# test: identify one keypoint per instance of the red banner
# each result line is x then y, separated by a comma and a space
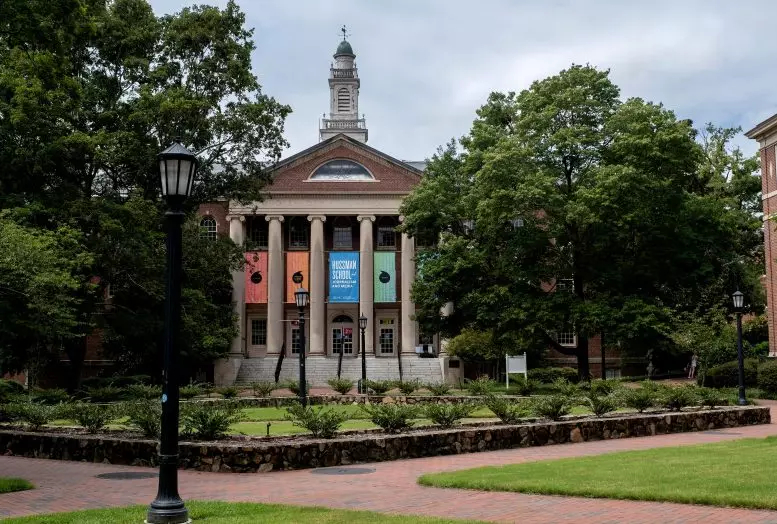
296, 261
256, 277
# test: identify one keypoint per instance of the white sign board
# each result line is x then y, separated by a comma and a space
515, 364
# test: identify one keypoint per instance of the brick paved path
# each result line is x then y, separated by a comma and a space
391, 488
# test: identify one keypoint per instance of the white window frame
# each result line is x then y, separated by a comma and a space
251, 321
386, 322
207, 231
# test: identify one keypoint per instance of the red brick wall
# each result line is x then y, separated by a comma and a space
218, 211
768, 185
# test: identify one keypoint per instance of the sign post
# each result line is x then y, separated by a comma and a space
515, 364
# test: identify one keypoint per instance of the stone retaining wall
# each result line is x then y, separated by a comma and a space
319, 400
299, 453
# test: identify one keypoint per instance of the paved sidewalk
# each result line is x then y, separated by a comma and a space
391, 488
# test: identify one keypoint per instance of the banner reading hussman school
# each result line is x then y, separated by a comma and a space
344, 277
385, 277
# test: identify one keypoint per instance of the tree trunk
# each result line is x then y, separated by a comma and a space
583, 369
76, 353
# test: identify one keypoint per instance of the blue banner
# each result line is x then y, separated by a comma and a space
344, 277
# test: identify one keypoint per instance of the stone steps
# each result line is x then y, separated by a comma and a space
321, 369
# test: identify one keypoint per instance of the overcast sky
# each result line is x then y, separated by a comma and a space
427, 65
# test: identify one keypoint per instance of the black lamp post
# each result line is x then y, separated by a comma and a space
363, 327
177, 167
739, 302
301, 296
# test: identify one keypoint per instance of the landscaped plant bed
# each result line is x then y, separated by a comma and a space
240, 454
319, 400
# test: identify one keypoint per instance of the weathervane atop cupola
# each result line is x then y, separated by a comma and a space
344, 96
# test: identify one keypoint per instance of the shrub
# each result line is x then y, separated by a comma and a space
550, 375
106, 393
480, 386
92, 417
524, 386
552, 407
408, 387
228, 392
341, 385
604, 387
144, 415
447, 415
293, 386
33, 414
767, 376
393, 418
137, 391
676, 398
709, 397
9, 390
50, 396
438, 388
321, 422
567, 389
379, 387
726, 375
263, 388
190, 391
600, 405
211, 420
638, 398
507, 410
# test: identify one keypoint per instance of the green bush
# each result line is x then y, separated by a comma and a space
50, 396
507, 410
144, 415
524, 386
341, 385
767, 376
550, 375
604, 387
33, 414
190, 391
552, 407
408, 387
638, 398
438, 388
136, 391
380, 387
447, 415
567, 389
209, 420
106, 393
709, 397
727, 375
600, 405
263, 388
92, 417
675, 398
10, 390
321, 422
393, 418
292, 386
228, 392
480, 386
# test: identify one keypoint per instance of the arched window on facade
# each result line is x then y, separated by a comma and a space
342, 233
208, 228
298, 233
387, 236
343, 100
342, 334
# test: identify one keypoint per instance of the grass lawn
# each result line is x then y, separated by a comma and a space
231, 513
737, 473
7, 485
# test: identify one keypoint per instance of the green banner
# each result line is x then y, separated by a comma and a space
385, 276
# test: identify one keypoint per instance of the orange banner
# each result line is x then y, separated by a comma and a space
296, 261
256, 277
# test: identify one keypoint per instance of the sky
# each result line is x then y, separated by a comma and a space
427, 65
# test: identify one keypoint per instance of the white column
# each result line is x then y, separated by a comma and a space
236, 226
409, 337
275, 277
317, 286
365, 279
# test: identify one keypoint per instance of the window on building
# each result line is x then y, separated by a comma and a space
567, 337
341, 169
257, 233
343, 100
295, 342
208, 228
468, 226
565, 285
386, 336
613, 373
342, 335
516, 223
387, 236
259, 332
342, 234
298, 233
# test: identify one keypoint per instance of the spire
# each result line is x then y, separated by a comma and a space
344, 86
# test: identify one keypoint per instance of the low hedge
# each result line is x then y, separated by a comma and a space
727, 375
767, 376
550, 375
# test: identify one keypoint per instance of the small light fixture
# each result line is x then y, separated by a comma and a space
739, 300
363, 321
177, 169
301, 296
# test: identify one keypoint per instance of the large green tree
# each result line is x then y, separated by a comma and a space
571, 209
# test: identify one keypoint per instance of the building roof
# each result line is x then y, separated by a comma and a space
344, 49
767, 127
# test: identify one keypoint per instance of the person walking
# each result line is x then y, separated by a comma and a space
692, 366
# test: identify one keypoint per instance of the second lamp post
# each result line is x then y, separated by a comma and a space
301, 297
739, 303
363, 382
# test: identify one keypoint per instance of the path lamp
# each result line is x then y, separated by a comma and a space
363, 382
177, 168
739, 302
301, 296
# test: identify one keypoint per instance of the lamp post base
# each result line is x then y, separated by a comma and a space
172, 512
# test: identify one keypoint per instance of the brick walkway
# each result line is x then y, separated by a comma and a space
391, 488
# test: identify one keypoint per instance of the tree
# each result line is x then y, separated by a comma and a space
570, 189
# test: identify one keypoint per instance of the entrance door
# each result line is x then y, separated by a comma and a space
342, 335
